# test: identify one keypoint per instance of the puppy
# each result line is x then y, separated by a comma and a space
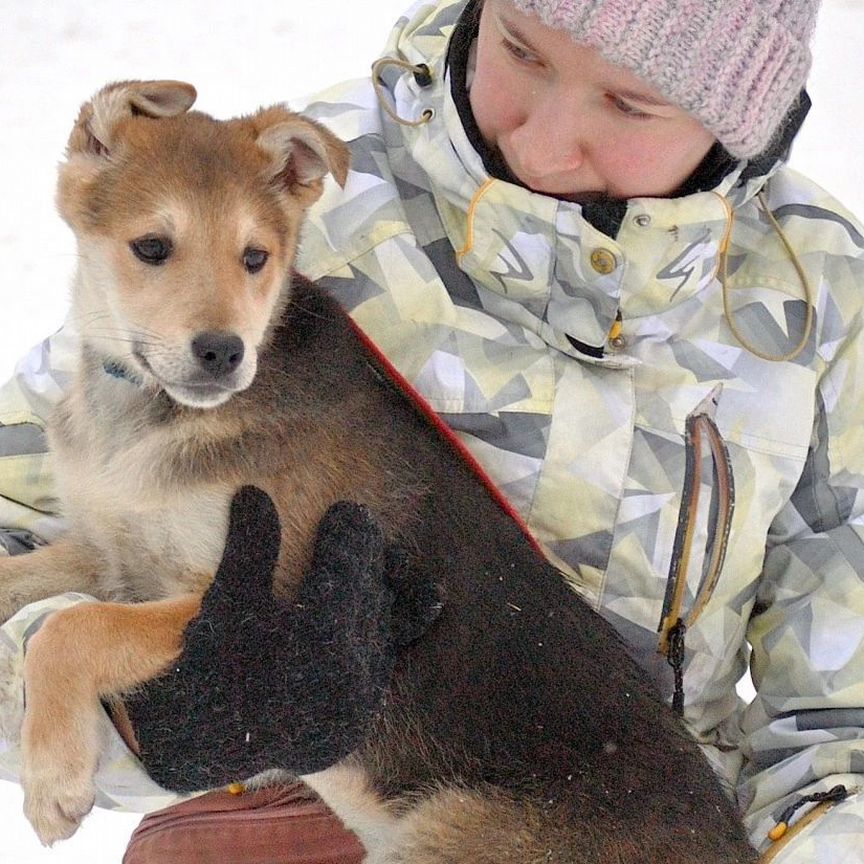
516, 729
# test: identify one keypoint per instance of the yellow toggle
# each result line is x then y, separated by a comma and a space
778, 831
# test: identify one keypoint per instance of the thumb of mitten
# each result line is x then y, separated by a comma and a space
251, 550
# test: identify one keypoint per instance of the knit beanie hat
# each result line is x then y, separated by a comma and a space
735, 65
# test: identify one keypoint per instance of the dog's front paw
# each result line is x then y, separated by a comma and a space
57, 776
56, 806
61, 737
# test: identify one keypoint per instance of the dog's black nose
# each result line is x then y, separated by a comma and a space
218, 353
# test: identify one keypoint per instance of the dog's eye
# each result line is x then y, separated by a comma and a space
152, 250
254, 259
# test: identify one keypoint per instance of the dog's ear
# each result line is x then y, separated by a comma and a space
302, 152
93, 137
93, 133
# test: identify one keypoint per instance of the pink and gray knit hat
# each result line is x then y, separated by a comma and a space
735, 65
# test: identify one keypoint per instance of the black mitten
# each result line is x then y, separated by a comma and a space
266, 683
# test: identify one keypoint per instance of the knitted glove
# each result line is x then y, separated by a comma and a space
265, 683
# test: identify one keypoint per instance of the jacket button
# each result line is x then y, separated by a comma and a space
603, 261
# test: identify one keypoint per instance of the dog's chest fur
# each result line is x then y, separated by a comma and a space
156, 539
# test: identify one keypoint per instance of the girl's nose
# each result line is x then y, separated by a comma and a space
545, 146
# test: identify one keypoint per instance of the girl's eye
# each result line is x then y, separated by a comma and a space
627, 109
518, 53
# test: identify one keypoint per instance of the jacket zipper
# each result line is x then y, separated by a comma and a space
700, 432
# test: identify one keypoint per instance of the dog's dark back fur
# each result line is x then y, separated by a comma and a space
519, 687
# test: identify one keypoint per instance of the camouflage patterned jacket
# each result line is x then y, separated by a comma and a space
702, 497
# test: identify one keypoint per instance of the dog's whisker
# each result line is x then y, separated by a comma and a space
94, 316
119, 336
93, 328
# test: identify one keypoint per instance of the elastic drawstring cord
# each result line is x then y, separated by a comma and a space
832, 796
469, 218
723, 275
422, 75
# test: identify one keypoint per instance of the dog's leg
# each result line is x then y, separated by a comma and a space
346, 790
452, 825
79, 655
457, 825
63, 566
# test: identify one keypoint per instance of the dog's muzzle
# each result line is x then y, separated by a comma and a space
207, 371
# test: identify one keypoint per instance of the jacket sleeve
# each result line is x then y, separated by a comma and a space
28, 507
29, 518
121, 781
804, 732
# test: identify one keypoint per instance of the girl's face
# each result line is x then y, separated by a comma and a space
568, 123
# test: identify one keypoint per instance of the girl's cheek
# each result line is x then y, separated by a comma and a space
495, 108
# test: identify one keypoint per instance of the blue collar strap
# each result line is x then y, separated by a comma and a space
117, 370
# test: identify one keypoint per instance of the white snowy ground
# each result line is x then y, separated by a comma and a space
54, 55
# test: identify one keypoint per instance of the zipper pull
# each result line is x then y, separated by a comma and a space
675, 658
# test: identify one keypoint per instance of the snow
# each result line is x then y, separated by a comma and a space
240, 56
